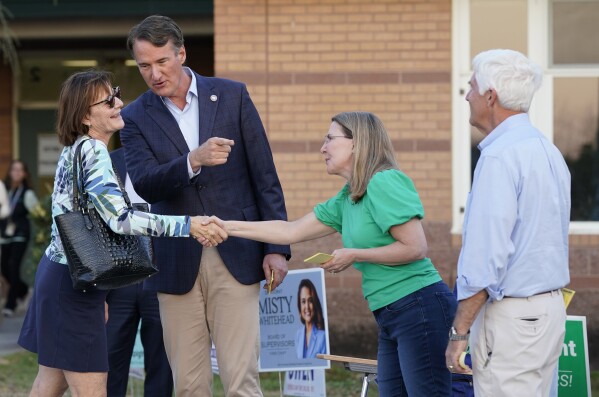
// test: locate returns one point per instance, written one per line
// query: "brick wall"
(584, 276)
(306, 60)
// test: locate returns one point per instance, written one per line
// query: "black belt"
(465, 378)
(553, 291)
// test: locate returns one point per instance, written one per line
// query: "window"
(43, 73)
(574, 32)
(576, 134)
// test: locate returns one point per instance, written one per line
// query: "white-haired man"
(514, 257)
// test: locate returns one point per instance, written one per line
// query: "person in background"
(310, 338)
(16, 232)
(195, 144)
(4, 203)
(4, 211)
(64, 326)
(514, 257)
(127, 307)
(378, 214)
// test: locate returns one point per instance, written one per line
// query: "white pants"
(516, 344)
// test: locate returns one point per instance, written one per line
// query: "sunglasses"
(116, 93)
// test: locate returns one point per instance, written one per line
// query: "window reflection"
(576, 134)
(574, 31)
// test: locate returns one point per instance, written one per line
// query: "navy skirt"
(64, 326)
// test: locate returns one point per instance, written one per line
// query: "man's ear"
(182, 55)
(491, 97)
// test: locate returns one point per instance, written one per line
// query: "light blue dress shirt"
(317, 344)
(515, 237)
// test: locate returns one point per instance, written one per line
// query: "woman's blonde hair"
(373, 150)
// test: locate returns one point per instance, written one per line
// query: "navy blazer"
(118, 161)
(245, 188)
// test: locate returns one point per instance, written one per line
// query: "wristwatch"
(453, 335)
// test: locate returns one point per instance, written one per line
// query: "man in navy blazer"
(128, 306)
(196, 145)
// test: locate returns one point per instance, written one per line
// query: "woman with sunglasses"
(64, 326)
(378, 214)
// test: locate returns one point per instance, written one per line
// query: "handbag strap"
(76, 160)
(122, 187)
(78, 177)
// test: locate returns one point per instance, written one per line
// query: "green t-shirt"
(390, 200)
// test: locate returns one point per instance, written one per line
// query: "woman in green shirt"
(378, 214)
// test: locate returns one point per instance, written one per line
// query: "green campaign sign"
(574, 376)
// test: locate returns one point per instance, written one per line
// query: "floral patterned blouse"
(106, 196)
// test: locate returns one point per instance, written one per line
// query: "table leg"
(365, 382)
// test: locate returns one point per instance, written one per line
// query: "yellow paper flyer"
(568, 294)
(318, 258)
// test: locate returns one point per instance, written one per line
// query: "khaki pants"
(516, 343)
(217, 306)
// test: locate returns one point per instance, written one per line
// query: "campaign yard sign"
(573, 374)
(293, 323)
(305, 383)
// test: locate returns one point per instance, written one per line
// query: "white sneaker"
(8, 313)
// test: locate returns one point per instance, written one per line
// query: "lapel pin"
(213, 98)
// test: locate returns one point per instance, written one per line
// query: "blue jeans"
(413, 336)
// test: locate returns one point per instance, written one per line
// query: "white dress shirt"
(188, 119)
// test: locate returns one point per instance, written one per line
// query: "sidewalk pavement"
(9, 333)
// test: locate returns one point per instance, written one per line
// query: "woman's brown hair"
(26, 183)
(77, 94)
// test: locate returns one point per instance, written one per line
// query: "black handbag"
(98, 257)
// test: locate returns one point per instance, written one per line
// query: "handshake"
(208, 231)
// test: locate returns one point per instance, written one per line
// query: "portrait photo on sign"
(293, 323)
